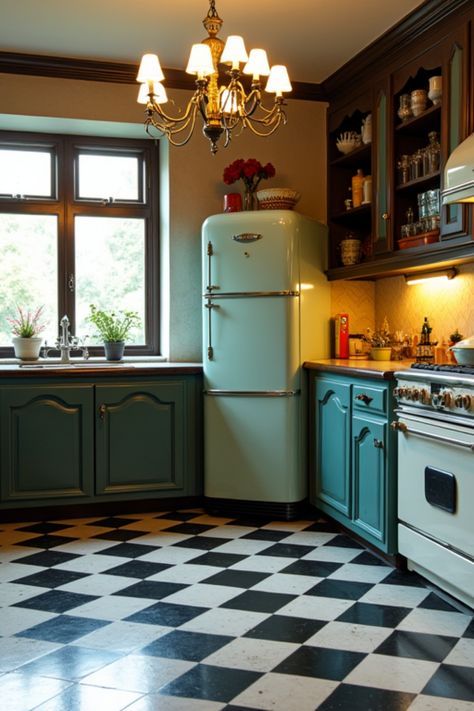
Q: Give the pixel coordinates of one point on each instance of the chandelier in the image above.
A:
(224, 108)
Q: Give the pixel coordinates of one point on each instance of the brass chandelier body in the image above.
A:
(226, 110)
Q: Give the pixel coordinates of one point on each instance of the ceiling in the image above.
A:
(312, 37)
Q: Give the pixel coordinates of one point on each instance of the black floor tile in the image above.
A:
(47, 559)
(313, 568)
(342, 541)
(70, 663)
(44, 527)
(179, 515)
(63, 629)
(236, 578)
(279, 628)
(362, 698)
(379, 615)
(120, 534)
(128, 550)
(50, 578)
(367, 558)
(56, 601)
(47, 541)
(190, 646)
(191, 529)
(211, 683)
(112, 522)
(166, 614)
(204, 543)
(257, 601)
(219, 560)
(252, 522)
(138, 569)
(265, 534)
(287, 550)
(342, 589)
(153, 589)
(469, 632)
(452, 682)
(404, 577)
(435, 602)
(430, 647)
(320, 662)
(323, 527)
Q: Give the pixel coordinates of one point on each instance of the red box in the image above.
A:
(342, 336)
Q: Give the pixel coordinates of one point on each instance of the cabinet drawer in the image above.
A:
(370, 398)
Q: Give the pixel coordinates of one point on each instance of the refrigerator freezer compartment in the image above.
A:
(253, 448)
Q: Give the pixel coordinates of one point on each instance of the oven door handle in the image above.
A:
(402, 427)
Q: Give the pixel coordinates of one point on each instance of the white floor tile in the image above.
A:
(22, 692)
(86, 546)
(11, 593)
(462, 654)
(90, 698)
(350, 637)
(437, 703)
(244, 546)
(435, 622)
(285, 692)
(138, 673)
(286, 583)
(115, 607)
(316, 608)
(332, 554)
(361, 573)
(186, 573)
(93, 563)
(225, 621)
(203, 595)
(399, 595)
(253, 654)
(171, 555)
(309, 538)
(98, 584)
(9, 553)
(161, 538)
(16, 651)
(17, 619)
(156, 702)
(122, 636)
(227, 532)
(394, 673)
(15, 571)
(263, 563)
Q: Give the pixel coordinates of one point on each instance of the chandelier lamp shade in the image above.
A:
(225, 107)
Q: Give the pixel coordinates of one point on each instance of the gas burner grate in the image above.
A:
(464, 369)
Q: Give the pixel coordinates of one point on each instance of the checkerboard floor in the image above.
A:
(187, 612)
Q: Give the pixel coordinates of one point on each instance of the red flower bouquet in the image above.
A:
(251, 171)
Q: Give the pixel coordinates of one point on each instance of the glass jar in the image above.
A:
(434, 150)
(404, 110)
(416, 166)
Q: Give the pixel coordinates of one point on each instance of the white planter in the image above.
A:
(27, 348)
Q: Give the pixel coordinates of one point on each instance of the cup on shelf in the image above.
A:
(435, 90)
(350, 251)
(418, 101)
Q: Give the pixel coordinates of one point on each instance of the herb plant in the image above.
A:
(113, 327)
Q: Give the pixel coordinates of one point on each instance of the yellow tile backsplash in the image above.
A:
(448, 305)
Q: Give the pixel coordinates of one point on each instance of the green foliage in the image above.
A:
(456, 337)
(27, 324)
(112, 326)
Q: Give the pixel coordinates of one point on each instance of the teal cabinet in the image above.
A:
(47, 443)
(140, 437)
(100, 440)
(353, 455)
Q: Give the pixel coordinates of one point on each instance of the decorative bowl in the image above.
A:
(277, 198)
(347, 141)
(464, 351)
(380, 353)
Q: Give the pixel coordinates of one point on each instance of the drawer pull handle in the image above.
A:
(102, 410)
(364, 398)
(378, 443)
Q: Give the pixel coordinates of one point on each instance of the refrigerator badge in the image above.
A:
(245, 237)
(342, 336)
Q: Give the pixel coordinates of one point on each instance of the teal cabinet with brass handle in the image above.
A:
(353, 455)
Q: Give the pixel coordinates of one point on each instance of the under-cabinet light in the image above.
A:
(421, 277)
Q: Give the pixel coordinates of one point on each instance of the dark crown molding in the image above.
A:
(115, 72)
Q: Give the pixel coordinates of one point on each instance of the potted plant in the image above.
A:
(380, 342)
(26, 327)
(113, 329)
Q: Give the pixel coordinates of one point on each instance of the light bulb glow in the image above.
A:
(150, 69)
(258, 64)
(234, 52)
(200, 61)
(278, 81)
(157, 89)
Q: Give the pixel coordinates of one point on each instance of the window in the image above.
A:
(79, 225)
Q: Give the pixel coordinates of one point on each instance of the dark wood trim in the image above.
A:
(385, 49)
(115, 72)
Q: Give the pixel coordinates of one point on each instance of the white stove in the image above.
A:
(436, 474)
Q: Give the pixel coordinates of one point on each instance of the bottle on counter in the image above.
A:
(358, 188)
(425, 333)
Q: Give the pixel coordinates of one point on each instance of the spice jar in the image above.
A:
(358, 188)
(404, 111)
(434, 150)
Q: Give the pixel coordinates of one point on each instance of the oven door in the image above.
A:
(436, 481)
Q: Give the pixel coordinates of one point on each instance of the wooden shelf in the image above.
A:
(355, 213)
(425, 180)
(422, 123)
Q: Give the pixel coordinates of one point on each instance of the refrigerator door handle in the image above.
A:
(209, 306)
(253, 393)
(248, 294)
(210, 287)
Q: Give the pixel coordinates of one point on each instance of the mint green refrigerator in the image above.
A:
(266, 309)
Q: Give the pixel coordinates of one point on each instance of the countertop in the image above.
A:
(377, 369)
(84, 369)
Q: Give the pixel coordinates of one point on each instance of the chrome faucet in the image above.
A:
(66, 343)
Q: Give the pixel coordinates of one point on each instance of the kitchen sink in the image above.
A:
(69, 366)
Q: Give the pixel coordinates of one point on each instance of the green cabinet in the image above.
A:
(47, 443)
(96, 441)
(353, 455)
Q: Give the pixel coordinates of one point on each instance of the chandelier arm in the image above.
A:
(280, 119)
(171, 129)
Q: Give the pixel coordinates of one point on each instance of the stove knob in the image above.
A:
(458, 400)
(397, 393)
(446, 398)
(425, 397)
(415, 394)
(467, 402)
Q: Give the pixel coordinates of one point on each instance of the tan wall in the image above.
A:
(195, 188)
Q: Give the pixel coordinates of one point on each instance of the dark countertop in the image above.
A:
(98, 369)
(376, 369)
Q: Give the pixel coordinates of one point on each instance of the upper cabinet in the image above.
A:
(390, 132)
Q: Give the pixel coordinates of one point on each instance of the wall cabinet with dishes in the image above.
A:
(417, 104)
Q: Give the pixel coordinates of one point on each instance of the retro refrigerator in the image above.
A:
(266, 310)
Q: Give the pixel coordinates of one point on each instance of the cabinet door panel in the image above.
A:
(332, 448)
(47, 442)
(369, 466)
(140, 437)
